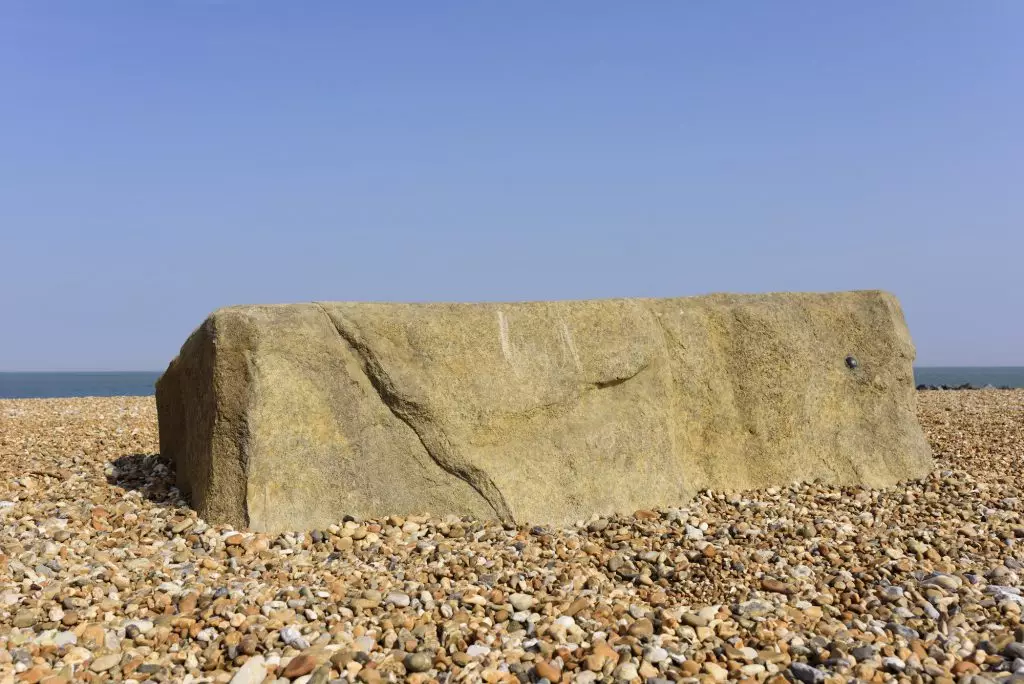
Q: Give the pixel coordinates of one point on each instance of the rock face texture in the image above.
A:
(291, 416)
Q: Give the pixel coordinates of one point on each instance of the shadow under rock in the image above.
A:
(151, 475)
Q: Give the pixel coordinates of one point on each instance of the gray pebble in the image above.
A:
(807, 674)
(626, 672)
(893, 664)
(418, 662)
(902, 630)
(863, 653)
(397, 598)
(656, 655)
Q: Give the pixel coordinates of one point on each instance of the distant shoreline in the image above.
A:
(58, 384)
(961, 388)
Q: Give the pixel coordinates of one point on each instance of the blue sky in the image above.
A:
(161, 159)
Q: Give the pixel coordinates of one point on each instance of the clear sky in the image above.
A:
(161, 159)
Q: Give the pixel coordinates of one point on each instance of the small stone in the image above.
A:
(776, 586)
(754, 608)
(23, 619)
(576, 606)
(106, 662)
(752, 669)
(399, 599)
(301, 664)
(965, 667)
(32, 675)
(1014, 649)
(254, 671)
(93, 636)
(891, 593)
(291, 636)
(364, 644)
(478, 651)
(521, 602)
(547, 671)
(641, 628)
(139, 627)
(656, 655)
(717, 672)
(907, 633)
(368, 676)
(947, 582)
(418, 662)
(693, 620)
(690, 668)
(893, 664)
(626, 672)
(63, 639)
(187, 603)
(806, 674)
(863, 653)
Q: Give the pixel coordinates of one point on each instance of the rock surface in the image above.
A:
(290, 416)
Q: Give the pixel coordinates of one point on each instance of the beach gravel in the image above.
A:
(107, 575)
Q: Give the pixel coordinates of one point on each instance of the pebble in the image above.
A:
(398, 599)
(863, 653)
(478, 651)
(291, 636)
(907, 633)
(947, 582)
(105, 662)
(418, 662)
(893, 664)
(776, 586)
(656, 655)
(548, 671)
(641, 628)
(891, 594)
(300, 665)
(807, 674)
(694, 620)
(521, 602)
(63, 639)
(23, 619)
(254, 671)
(626, 672)
(717, 672)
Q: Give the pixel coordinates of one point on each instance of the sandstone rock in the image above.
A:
(291, 416)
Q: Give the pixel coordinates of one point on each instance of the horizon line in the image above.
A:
(83, 372)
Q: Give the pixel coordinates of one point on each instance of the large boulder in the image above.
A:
(291, 416)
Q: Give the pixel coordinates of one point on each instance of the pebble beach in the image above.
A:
(107, 575)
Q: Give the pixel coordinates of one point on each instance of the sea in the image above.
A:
(975, 376)
(140, 383)
(51, 385)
